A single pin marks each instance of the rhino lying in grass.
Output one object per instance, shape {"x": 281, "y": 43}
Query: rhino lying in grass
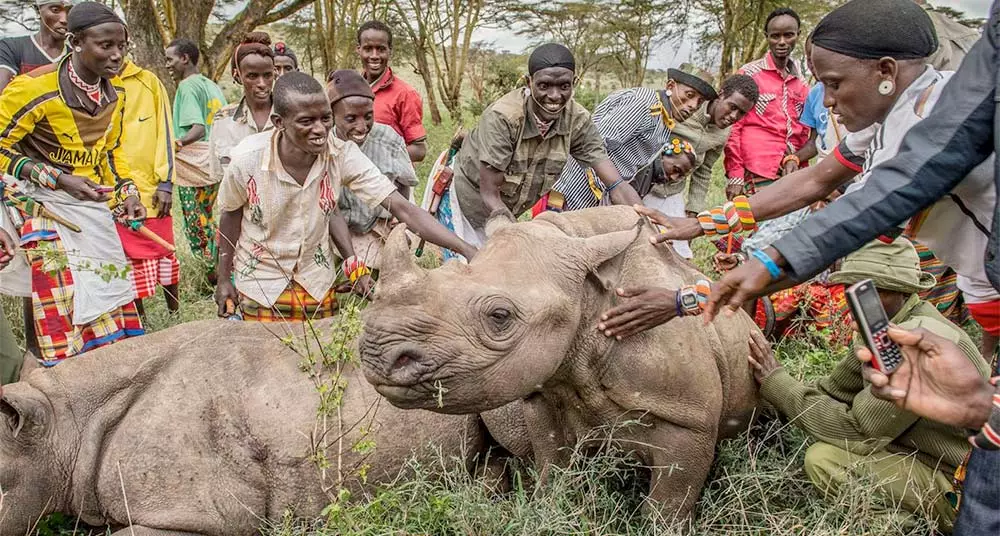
{"x": 203, "y": 428}
{"x": 518, "y": 323}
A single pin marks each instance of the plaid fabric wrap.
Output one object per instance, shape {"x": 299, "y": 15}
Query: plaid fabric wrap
{"x": 199, "y": 223}
{"x": 147, "y": 273}
{"x": 825, "y": 305}
{"x": 52, "y": 304}
{"x": 293, "y": 305}
{"x": 945, "y": 295}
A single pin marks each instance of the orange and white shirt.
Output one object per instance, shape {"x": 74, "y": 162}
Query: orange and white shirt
{"x": 285, "y": 230}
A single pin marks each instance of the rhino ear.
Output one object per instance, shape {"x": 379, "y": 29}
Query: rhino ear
{"x": 499, "y": 218}
{"x": 397, "y": 264}
{"x": 602, "y": 248}
{"x": 20, "y": 413}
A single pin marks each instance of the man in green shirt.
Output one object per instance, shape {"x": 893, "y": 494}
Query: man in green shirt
{"x": 908, "y": 461}
{"x": 195, "y": 104}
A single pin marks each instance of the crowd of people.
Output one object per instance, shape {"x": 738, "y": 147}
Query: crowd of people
{"x": 883, "y": 169}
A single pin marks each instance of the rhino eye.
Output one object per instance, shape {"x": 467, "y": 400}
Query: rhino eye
{"x": 500, "y": 316}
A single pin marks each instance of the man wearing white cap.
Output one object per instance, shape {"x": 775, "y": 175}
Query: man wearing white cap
{"x": 21, "y": 54}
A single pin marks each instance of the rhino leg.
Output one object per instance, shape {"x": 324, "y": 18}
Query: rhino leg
{"x": 137, "y": 530}
{"x": 679, "y": 465}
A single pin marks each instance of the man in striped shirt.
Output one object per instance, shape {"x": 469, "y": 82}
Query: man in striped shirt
{"x": 635, "y": 124}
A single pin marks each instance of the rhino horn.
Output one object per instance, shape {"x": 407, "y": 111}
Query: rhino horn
{"x": 499, "y": 219}
{"x": 398, "y": 267}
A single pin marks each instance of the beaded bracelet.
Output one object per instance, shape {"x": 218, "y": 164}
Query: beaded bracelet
{"x": 45, "y": 175}
{"x": 768, "y": 262}
{"x": 21, "y": 162}
{"x": 732, "y": 217}
{"x": 790, "y": 158}
{"x": 124, "y": 190}
{"x": 613, "y": 186}
{"x": 988, "y": 437}
{"x": 354, "y": 268}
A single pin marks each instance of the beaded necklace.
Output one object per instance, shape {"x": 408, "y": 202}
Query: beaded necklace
{"x": 93, "y": 91}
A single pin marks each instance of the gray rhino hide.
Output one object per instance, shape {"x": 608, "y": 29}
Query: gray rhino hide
{"x": 515, "y": 332}
{"x": 203, "y": 428}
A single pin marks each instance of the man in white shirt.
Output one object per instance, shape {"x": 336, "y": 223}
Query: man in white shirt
{"x": 279, "y": 201}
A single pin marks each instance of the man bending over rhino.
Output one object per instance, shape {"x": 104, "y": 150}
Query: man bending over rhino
{"x": 279, "y": 202}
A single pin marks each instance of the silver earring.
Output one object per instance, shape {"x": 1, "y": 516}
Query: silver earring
{"x": 669, "y": 93}
{"x": 78, "y": 49}
{"x": 886, "y": 87}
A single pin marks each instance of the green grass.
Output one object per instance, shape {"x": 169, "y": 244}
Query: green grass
{"x": 757, "y": 486}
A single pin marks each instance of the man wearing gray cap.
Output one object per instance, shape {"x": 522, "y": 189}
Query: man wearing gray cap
{"x": 21, "y": 54}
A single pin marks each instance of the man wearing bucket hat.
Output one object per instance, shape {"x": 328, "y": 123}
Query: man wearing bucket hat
{"x": 913, "y": 462}
{"x": 21, "y": 54}
{"x": 636, "y": 124}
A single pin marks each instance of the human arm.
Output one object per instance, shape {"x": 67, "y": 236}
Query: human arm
{"x": 805, "y": 154}
{"x": 114, "y": 165}
{"x": 936, "y": 380}
{"x": 644, "y": 308}
{"x": 9, "y": 63}
{"x": 189, "y": 115}
{"x": 733, "y": 162}
{"x": 426, "y": 226}
{"x": 417, "y": 150}
{"x": 865, "y": 424}
{"x": 6, "y": 248}
{"x": 340, "y": 233}
{"x": 196, "y": 133}
{"x": 230, "y": 228}
{"x": 5, "y": 78}
{"x": 164, "y": 169}
{"x": 410, "y": 116}
{"x": 622, "y": 192}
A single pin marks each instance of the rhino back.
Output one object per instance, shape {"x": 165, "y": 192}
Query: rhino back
{"x": 216, "y": 417}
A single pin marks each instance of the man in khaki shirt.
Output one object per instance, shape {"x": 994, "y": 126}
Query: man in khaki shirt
{"x": 517, "y": 151}
{"x": 279, "y": 201}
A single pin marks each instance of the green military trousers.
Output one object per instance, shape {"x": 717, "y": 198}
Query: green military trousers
{"x": 906, "y": 488}
{"x": 11, "y": 356}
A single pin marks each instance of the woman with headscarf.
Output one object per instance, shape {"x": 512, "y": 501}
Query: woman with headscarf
{"x": 285, "y": 60}
{"x": 516, "y": 152}
{"x": 60, "y": 137}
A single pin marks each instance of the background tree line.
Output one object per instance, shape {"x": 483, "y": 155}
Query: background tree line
{"x": 613, "y": 40}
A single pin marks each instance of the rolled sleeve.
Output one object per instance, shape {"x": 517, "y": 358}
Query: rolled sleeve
{"x": 233, "y": 189}
{"x": 363, "y": 178}
{"x": 411, "y": 117}
{"x": 587, "y": 146}
{"x": 496, "y": 140}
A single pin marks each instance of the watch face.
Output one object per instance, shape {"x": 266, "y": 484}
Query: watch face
{"x": 689, "y": 300}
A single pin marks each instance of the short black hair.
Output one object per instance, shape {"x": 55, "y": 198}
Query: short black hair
{"x": 186, "y": 47}
{"x": 293, "y": 83}
{"x": 742, "y": 84}
{"x": 375, "y": 25}
{"x": 783, "y": 11}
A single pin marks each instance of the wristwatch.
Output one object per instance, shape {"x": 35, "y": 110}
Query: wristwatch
{"x": 687, "y": 301}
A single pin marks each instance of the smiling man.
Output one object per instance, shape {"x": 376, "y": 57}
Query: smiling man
{"x": 396, "y": 103}
{"x": 522, "y": 142}
{"x": 19, "y": 55}
{"x": 635, "y": 124}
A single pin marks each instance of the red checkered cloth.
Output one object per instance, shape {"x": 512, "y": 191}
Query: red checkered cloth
{"x": 988, "y": 315}
{"x": 293, "y": 305}
{"x": 147, "y": 273}
{"x": 52, "y": 304}
{"x": 824, "y": 305}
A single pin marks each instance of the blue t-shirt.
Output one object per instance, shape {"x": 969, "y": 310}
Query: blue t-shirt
{"x": 815, "y": 115}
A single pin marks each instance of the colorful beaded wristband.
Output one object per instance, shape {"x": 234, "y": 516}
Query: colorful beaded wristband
{"x": 732, "y": 217}
{"x": 354, "y": 269}
{"x": 790, "y": 158}
{"x": 21, "y": 162}
{"x": 45, "y": 175}
{"x": 988, "y": 437}
{"x": 124, "y": 190}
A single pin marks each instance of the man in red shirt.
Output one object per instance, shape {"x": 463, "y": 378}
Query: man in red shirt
{"x": 767, "y": 138}
{"x": 397, "y": 104}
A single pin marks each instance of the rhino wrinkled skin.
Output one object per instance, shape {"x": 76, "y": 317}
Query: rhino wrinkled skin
{"x": 204, "y": 428}
{"x": 514, "y": 331}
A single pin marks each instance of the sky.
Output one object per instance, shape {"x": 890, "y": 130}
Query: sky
{"x": 668, "y": 54}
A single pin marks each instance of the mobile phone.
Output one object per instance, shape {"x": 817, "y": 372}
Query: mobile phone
{"x": 873, "y": 323}
{"x": 104, "y": 189}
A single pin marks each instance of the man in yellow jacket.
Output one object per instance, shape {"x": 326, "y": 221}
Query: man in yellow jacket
{"x": 150, "y": 151}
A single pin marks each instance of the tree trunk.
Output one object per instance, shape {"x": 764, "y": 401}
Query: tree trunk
{"x": 424, "y": 71}
{"x": 144, "y": 33}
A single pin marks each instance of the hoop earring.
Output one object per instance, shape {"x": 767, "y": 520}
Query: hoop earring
{"x": 78, "y": 49}
{"x": 669, "y": 93}
{"x": 886, "y": 87}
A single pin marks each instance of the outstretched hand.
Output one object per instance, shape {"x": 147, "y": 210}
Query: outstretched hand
{"x": 6, "y": 248}
{"x": 750, "y": 280}
{"x": 761, "y": 358}
{"x": 936, "y": 380}
{"x": 671, "y": 227}
{"x": 644, "y": 309}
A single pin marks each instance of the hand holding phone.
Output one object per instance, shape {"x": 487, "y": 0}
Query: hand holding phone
{"x": 104, "y": 189}
{"x": 873, "y": 324}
